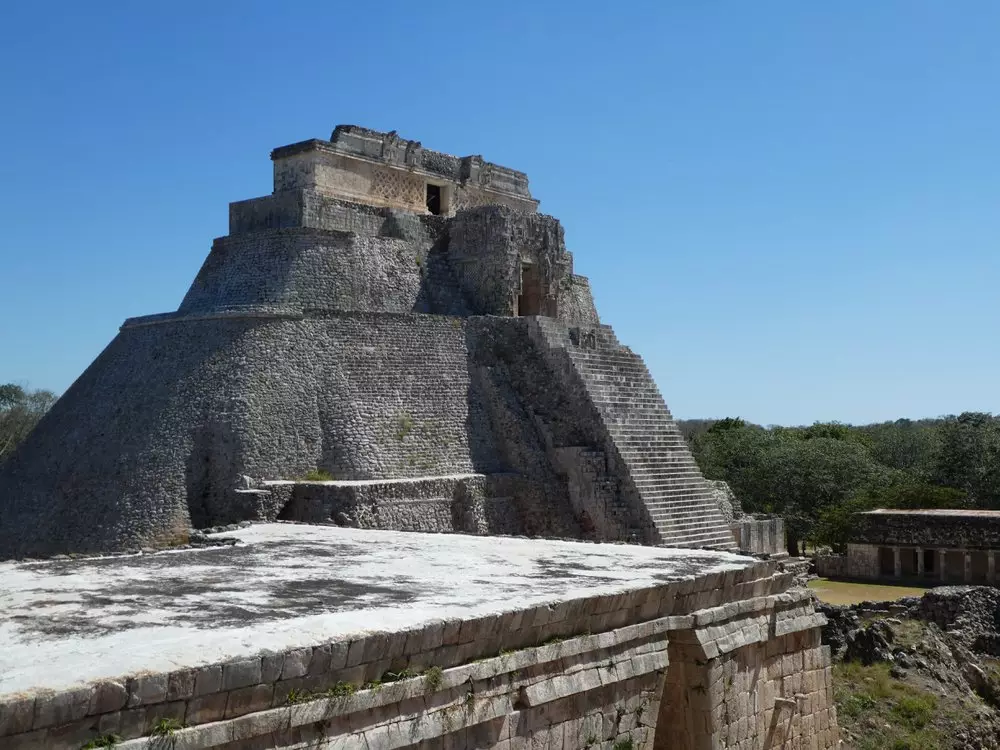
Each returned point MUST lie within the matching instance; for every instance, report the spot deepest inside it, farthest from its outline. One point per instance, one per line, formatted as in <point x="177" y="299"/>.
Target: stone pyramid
<point x="393" y="338"/>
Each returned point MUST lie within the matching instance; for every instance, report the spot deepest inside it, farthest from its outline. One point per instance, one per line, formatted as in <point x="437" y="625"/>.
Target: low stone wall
<point x="831" y="566"/>
<point x="586" y="672"/>
<point x="469" y="503"/>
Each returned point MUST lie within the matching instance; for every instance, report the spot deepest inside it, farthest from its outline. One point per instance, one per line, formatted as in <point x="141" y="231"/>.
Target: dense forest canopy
<point x="817" y="476"/>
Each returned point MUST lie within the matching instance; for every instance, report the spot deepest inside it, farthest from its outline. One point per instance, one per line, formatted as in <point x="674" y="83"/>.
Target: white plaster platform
<point x="64" y="622"/>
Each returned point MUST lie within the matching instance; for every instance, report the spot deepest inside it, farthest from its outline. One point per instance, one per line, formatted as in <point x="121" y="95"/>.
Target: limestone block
<point x="17" y="715"/>
<point x="249" y="699"/>
<point x="206" y="709"/>
<point x="174" y="710"/>
<point x="239" y="674"/>
<point x="261" y="723"/>
<point x="296" y="663"/>
<point x="180" y="685"/>
<point x="208" y="680"/>
<point x="321" y="660"/>
<point x="374" y="648"/>
<point x="207" y="736"/>
<point x="271" y="666"/>
<point x="134" y="722"/>
<point x="61" y="708"/>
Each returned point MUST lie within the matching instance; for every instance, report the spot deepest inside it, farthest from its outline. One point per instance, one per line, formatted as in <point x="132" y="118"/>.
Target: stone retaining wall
<point x="578" y="673"/>
<point x="471" y="503"/>
<point x="760" y="535"/>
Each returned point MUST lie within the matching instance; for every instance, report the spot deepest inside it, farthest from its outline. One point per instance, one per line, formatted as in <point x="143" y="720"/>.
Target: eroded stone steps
<point x="647" y="441"/>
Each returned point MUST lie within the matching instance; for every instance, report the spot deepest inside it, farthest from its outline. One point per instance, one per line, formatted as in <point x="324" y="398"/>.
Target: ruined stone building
<point x="393" y="342"/>
<point x="404" y="321"/>
<point x="931" y="547"/>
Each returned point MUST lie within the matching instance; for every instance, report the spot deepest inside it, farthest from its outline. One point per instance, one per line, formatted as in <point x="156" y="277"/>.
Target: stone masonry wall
<point x="969" y="529"/>
<point x="153" y="435"/>
<point x="586" y="672"/>
<point x="471" y="503"/>
<point x="313" y="269"/>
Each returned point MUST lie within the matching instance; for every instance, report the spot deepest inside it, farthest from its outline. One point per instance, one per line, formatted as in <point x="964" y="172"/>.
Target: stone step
<point x="707" y="539"/>
<point x="694" y="527"/>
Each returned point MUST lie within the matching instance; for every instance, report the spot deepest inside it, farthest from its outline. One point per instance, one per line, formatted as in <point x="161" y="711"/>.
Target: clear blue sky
<point x="790" y="209"/>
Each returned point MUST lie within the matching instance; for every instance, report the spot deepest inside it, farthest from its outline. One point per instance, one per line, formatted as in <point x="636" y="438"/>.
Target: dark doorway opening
<point x="434" y="199"/>
<point x="530" y="300"/>
<point x="886" y="561"/>
<point x="930" y="562"/>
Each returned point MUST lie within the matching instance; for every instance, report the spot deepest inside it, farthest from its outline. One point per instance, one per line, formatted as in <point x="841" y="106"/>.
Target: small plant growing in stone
<point x="342" y="690"/>
<point x="165" y="727"/>
<point x="404" y="426"/>
<point x="298" y="696"/>
<point x="625" y="744"/>
<point x="104" y="741"/>
<point x="319" y="475"/>
<point x="433" y="677"/>
<point x="373" y="685"/>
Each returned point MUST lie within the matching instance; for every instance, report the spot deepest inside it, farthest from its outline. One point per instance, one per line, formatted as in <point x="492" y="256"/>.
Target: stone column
<point x="920" y="562"/>
<point x="941" y="564"/>
<point x="968" y="566"/>
<point x="992" y="568"/>
<point x="896" y="563"/>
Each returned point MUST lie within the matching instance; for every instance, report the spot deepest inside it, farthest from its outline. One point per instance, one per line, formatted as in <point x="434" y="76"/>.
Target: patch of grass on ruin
<point x="319" y="475"/>
<point x="165" y="727"/>
<point x="433" y="677"/>
<point x="884" y="713"/>
<point x="849" y="592"/>
<point x="341" y="690"/>
<point x="298" y="696"/>
<point x="625" y="744"/>
<point x="104" y="741"/>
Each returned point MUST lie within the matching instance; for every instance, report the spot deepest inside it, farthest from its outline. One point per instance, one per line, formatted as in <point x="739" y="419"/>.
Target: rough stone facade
<point x="936" y="546"/>
<point x="388" y="312"/>
<point x="755" y="534"/>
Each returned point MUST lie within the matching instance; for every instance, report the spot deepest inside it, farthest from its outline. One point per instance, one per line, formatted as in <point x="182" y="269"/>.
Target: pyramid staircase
<point x="649" y="446"/>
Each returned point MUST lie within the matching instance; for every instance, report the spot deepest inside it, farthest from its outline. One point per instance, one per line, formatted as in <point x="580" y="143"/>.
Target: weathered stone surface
<point x="61" y="708"/>
<point x="147" y="689"/>
<point x="206" y="709"/>
<point x="107" y="697"/>
<point x="249" y="699"/>
<point x="208" y="680"/>
<point x="239" y="674"/>
<point x="16" y="715"/>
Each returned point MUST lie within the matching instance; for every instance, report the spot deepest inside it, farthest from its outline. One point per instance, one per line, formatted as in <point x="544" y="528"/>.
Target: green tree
<point x="835" y="524"/>
<point x="968" y="457"/>
<point x="20" y="411"/>
<point x="800" y="479"/>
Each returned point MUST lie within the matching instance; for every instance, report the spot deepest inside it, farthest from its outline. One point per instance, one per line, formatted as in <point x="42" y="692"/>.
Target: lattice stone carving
<point x="399" y="188"/>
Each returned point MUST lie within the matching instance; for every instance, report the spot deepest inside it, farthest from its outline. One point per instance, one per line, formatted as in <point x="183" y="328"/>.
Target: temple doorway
<point x="530" y="300"/>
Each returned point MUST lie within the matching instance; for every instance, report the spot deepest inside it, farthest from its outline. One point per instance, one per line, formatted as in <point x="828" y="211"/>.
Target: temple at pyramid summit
<point x="394" y="338"/>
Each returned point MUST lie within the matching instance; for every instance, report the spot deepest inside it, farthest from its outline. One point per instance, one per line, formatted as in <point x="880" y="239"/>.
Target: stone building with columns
<point x="936" y="546"/>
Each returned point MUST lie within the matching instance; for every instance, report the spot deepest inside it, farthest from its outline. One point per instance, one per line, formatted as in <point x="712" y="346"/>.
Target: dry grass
<point x="843" y="592"/>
